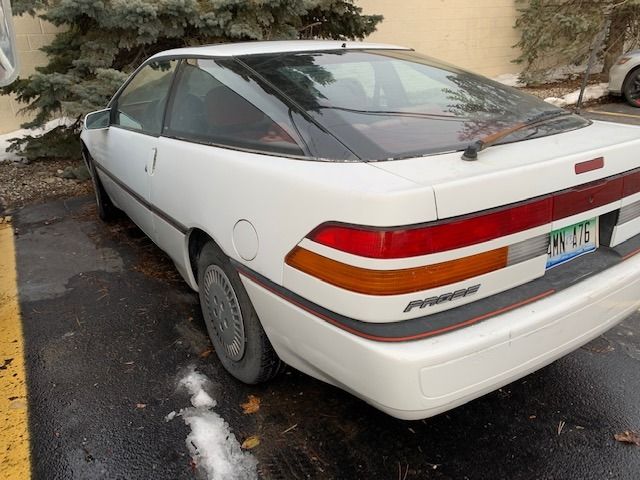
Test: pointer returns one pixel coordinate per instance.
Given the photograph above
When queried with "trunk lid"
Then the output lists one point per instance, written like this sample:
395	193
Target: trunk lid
510	173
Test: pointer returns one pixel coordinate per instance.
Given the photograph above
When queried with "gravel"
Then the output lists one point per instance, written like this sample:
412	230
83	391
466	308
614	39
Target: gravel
36	182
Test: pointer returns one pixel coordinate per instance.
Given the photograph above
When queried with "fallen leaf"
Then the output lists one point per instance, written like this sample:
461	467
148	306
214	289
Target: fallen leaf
252	405
206	353
141	405
628	436
250	442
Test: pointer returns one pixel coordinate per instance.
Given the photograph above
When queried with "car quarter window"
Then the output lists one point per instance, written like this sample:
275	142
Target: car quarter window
213	105
141	104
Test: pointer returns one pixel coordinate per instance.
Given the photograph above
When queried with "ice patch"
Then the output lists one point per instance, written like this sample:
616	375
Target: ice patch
592	92
214	448
5	137
194	383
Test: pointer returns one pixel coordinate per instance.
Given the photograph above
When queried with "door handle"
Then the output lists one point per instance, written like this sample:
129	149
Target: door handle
150	166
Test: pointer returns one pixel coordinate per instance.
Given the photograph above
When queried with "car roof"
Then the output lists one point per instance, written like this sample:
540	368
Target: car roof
278	46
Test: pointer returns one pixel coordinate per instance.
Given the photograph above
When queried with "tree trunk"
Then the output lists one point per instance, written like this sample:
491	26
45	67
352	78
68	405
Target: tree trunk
614	43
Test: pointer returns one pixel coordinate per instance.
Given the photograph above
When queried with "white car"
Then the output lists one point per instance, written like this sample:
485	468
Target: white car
624	78
410	232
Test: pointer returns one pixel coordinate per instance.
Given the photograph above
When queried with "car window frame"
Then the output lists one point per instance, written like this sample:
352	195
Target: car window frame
167	117
113	103
180	58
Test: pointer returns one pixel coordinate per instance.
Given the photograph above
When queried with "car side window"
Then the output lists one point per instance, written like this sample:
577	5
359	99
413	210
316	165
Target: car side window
207	109
141	104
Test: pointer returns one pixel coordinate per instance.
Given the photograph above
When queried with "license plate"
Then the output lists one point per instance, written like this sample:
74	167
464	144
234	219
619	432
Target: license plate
570	242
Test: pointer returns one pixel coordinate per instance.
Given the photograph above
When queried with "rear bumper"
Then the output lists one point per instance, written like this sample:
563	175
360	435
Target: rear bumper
419	379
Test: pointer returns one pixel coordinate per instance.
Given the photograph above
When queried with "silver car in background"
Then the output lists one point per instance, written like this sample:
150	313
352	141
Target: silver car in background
624	78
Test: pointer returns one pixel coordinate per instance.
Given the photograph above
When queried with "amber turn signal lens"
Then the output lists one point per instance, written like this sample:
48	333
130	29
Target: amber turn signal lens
395	282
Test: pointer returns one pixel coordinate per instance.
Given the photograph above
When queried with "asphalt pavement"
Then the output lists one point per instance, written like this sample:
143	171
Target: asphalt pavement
109	328
616	110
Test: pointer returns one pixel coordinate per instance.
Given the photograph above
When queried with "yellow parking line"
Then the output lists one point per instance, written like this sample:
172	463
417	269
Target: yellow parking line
613	114
14	432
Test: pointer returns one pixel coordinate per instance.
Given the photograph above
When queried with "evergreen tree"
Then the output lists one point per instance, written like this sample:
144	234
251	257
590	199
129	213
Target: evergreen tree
562	32
105	40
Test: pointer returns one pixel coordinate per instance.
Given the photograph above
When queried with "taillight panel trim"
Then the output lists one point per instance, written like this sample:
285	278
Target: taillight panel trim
420	278
539	211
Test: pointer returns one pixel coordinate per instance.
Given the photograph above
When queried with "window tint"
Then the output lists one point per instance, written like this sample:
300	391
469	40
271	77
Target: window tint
388	104
141	104
213	105
353	85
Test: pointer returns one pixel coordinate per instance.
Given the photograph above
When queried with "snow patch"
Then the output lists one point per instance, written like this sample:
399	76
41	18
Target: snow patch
214	448
563	72
592	92
194	383
5	137
509	79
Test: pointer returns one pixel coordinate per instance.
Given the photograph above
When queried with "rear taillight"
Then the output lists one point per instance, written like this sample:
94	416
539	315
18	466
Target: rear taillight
395	282
586	197
406	242
631	183
408	280
382	243
629	212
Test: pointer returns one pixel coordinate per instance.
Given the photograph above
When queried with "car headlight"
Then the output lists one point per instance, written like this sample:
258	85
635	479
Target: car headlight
623	60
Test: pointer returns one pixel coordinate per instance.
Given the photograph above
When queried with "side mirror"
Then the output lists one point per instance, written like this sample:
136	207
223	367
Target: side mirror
98	120
8	50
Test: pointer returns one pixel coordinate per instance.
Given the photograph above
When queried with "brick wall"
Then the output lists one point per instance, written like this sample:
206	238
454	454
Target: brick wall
474	34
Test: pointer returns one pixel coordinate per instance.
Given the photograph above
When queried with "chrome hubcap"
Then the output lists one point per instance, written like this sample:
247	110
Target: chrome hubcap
224	319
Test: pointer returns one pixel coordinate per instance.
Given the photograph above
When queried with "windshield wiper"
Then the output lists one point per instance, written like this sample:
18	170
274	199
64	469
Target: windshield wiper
393	113
471	152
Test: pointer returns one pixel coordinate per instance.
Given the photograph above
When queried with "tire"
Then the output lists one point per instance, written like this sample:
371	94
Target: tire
631	88
106	210
232	323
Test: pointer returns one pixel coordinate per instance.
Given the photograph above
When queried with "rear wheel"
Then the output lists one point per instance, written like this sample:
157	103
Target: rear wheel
233	325
106	210
631	88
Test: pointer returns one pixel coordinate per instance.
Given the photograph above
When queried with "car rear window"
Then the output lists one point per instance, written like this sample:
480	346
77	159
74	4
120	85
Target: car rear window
389	104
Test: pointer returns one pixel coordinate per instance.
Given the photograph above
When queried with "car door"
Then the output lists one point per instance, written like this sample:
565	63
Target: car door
208	126
131	143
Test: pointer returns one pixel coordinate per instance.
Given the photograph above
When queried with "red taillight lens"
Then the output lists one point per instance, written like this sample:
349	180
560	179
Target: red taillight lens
586	197
631	183
403	242
439	237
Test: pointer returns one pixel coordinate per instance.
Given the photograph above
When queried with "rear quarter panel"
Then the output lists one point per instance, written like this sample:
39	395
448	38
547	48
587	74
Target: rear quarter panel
212	188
